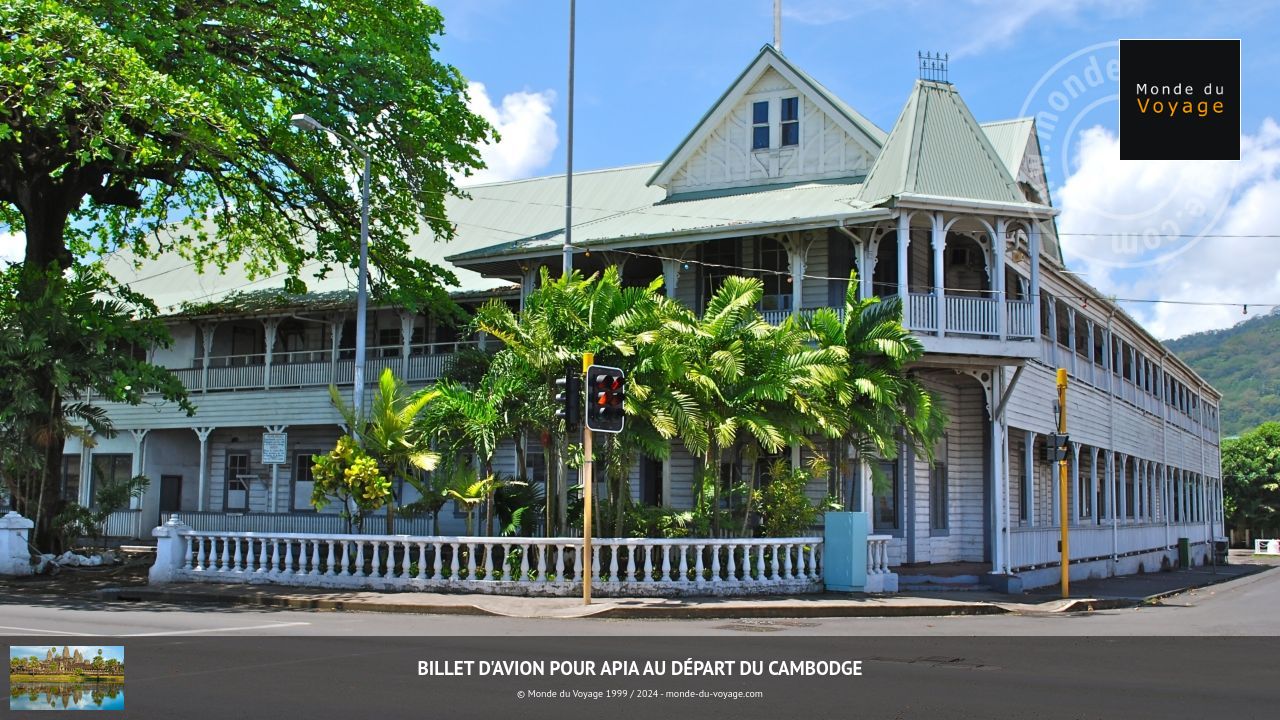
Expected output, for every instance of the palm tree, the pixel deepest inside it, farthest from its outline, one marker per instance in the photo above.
(747, 379)
(877, 396)
(389, 433)
(564, 318)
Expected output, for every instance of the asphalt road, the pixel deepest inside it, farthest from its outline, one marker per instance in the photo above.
(1244, 607)
(220, 662)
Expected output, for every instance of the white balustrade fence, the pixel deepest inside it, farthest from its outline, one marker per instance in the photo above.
(496, 565)
(880, 579)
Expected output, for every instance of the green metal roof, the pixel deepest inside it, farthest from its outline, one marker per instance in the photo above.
(937, 149)
(1009, 139)
(694, 213)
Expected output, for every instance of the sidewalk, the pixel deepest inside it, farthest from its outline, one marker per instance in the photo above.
(1087, 595)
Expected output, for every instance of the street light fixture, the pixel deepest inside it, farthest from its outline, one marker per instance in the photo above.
(310, 124)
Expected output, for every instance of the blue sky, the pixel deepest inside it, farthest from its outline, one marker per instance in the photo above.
(646, 72)
(89, 651)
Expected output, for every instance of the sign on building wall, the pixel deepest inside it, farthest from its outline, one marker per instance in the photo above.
(274, 448)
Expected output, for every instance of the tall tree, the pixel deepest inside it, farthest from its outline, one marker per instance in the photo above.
(158, 127)
(1251, 480)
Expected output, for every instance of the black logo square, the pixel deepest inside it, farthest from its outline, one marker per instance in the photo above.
(1179, 99)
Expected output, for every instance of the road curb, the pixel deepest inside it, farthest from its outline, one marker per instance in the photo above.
(604, 611)
(718, 610)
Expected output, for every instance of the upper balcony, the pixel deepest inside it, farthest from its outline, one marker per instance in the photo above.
(425, 362)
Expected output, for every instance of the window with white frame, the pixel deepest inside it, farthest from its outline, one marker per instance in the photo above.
(790, 134)
(760, 125)
(237, 499)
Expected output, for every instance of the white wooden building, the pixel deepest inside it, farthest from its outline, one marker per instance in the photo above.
(951, 215)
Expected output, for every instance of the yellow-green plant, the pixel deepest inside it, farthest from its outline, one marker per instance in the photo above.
(349, 474)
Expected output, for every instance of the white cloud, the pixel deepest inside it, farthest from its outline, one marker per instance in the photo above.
(1138, 205)
(528, 133)
(13, 246)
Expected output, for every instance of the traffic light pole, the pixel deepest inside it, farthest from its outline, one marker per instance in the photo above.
(587, 465)
(1062, 484)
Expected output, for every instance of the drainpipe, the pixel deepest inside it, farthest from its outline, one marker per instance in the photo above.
(1113, 506)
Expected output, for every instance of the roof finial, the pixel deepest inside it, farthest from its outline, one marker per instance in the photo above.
(777, 25)
(933, 67)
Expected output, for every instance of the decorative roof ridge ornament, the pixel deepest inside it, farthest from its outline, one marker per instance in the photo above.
(933, 66)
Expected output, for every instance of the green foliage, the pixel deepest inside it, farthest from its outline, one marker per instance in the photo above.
(77, 521)
(518, 503)
(785, 509)
(155, 115)
(1251, 480)
(66, 336)
(1240, 363)
(349, 474)
(390, 434)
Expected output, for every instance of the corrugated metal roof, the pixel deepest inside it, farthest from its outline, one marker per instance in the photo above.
(936, 148)
(496, 213)
(695, 213)
(1009, 139)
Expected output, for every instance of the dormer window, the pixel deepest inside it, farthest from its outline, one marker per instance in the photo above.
(790, 121)
(760, 125)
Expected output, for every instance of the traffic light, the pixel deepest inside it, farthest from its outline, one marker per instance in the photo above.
(606, 388)
(569, 398)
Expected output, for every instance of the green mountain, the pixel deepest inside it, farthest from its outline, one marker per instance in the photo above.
(1243, 363)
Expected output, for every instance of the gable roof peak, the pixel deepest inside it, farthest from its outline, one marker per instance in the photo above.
(768, 57)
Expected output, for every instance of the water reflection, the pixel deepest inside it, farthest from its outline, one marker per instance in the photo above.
(90, 695)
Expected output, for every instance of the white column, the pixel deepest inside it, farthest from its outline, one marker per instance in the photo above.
(867, 264)
(1093, 485)
(939, 242)
(798, 254)
(1029, 477)
(139, 447)
(406, 337)
(671, 275)
(997, 280)
(269, 326)
(335, 341)
(1033, 289)
(528, 282)
(203, 434)
(206, 335)
(1000, 481)
(1073, 487)
(904, 242)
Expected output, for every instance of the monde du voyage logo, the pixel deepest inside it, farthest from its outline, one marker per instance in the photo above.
(1179, 99)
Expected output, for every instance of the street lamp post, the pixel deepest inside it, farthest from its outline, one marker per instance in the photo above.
(306, 122)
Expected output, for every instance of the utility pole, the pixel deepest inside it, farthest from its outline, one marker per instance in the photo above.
(568, 153)
(1061, 449)
(588, 359)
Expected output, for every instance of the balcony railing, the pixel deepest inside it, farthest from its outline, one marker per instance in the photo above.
(318, 368)
(923, 311)
(971, 315)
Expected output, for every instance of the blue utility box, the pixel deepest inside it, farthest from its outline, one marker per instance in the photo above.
(844, 551)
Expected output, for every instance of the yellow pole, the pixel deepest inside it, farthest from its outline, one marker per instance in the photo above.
(1062, 484)
(587, 360)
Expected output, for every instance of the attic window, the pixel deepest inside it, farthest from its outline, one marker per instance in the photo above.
(760, 125)
(790, 121)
